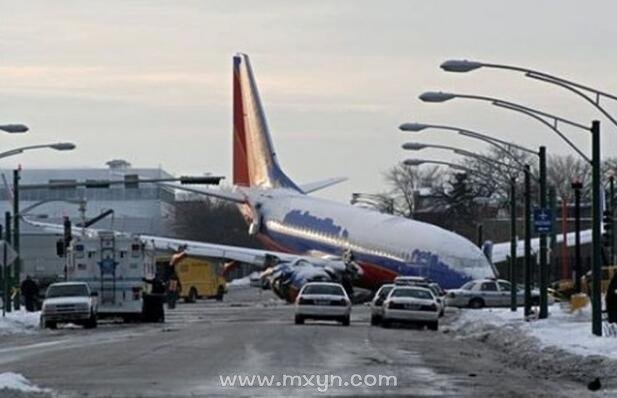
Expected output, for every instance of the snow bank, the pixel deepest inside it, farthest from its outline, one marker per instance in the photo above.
(15, 381)
(19, 322)
(570, 332)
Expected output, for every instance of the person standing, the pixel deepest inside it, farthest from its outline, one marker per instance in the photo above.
(30, 292)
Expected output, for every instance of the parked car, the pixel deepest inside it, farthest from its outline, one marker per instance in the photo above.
(377, 303)
(488, 293)
(411, 304)
(438, 292)
(323, 300)
(69, 302)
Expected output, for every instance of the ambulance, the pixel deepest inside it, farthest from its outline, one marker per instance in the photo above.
(114, 266)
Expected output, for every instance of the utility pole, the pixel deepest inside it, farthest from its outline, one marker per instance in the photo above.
(480, 235)
(528, 267)
(16, 232)
(543, 244)
(611, 208)
(596, 230)
(577, 185)
(7, 268)
(513, 304)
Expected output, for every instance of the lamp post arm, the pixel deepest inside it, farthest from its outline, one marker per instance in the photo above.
(497, 144)
(553, 127)
(490, 139)
(568, 86)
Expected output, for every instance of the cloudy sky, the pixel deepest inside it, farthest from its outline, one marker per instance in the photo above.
(150, 81)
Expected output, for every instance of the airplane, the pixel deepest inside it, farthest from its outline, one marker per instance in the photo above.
(317, 239)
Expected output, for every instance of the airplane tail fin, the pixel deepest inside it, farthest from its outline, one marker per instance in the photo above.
(254, 159)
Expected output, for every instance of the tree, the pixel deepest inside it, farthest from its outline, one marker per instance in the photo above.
(212, 220)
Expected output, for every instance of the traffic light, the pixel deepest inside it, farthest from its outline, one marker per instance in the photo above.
(607, 236)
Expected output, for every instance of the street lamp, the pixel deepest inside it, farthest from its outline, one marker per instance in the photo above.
(595, 162)
(60, 146)
(577, 88)
(14, 128)
(496, 142)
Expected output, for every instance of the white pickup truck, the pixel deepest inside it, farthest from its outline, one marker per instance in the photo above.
(69, 302)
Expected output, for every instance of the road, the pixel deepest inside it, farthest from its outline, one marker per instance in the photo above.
(252, 333)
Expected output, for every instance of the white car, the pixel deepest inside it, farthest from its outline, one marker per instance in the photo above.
(411, 304)
(489, 293)
(434, 287)
(377, 303)
(69, 302)
(323, 300)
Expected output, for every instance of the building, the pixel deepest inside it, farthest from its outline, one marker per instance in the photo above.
(146, 208)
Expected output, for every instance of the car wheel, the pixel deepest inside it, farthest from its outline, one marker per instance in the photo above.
(476, 303)
(51, 325)
(192, 297)
(346, 320)
(433, 325)
(385, 323)
(299, 320)
(91, 323)
(374, 320)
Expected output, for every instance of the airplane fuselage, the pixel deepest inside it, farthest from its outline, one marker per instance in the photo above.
(384, 245)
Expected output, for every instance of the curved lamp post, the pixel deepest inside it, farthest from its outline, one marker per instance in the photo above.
(552, 121)
(584, 91)
(60, 146)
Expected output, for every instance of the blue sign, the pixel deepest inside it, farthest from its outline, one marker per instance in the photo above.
(542, 220)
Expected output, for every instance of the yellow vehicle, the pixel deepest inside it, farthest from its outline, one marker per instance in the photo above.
(199, 278)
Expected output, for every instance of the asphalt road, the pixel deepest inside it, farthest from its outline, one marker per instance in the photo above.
(252, 333)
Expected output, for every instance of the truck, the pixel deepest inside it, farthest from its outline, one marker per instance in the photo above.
(115, 267)
(198, 277)
(69, 302)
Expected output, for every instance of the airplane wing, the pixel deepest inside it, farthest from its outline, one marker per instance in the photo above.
(217, 193)
(285, 273)
(317, 185)
(501, 251)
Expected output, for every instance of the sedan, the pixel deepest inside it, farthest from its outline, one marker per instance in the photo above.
(323, 300)
(411, 304)
(488, 293)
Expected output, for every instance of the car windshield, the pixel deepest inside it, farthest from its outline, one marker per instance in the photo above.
(414, 293)
(324, 289)
(67, 291)
(468, 286)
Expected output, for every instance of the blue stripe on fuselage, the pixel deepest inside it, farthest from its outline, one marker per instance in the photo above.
(427, 265)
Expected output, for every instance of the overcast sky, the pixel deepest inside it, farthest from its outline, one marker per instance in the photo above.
(150, 81)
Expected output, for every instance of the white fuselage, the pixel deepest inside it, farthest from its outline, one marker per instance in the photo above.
(384, 245)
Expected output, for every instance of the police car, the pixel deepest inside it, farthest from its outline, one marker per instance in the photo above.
(322, 300)
(411, 304)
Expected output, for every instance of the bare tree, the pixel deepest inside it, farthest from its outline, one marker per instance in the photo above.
(212, 220)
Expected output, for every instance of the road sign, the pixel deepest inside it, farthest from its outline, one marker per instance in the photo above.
(542, 220)
(11, 254)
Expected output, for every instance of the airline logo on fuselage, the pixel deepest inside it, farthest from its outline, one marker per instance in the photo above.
(305, 219)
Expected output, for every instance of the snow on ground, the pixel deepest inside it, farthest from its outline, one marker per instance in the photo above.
(18, 322)
(562, 329)
(15, 381)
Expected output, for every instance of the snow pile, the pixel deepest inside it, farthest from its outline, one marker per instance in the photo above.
(562, 329)
(19, 322)
(561, 345)
(15, 381)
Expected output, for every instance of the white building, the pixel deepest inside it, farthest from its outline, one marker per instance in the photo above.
(146, 208)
